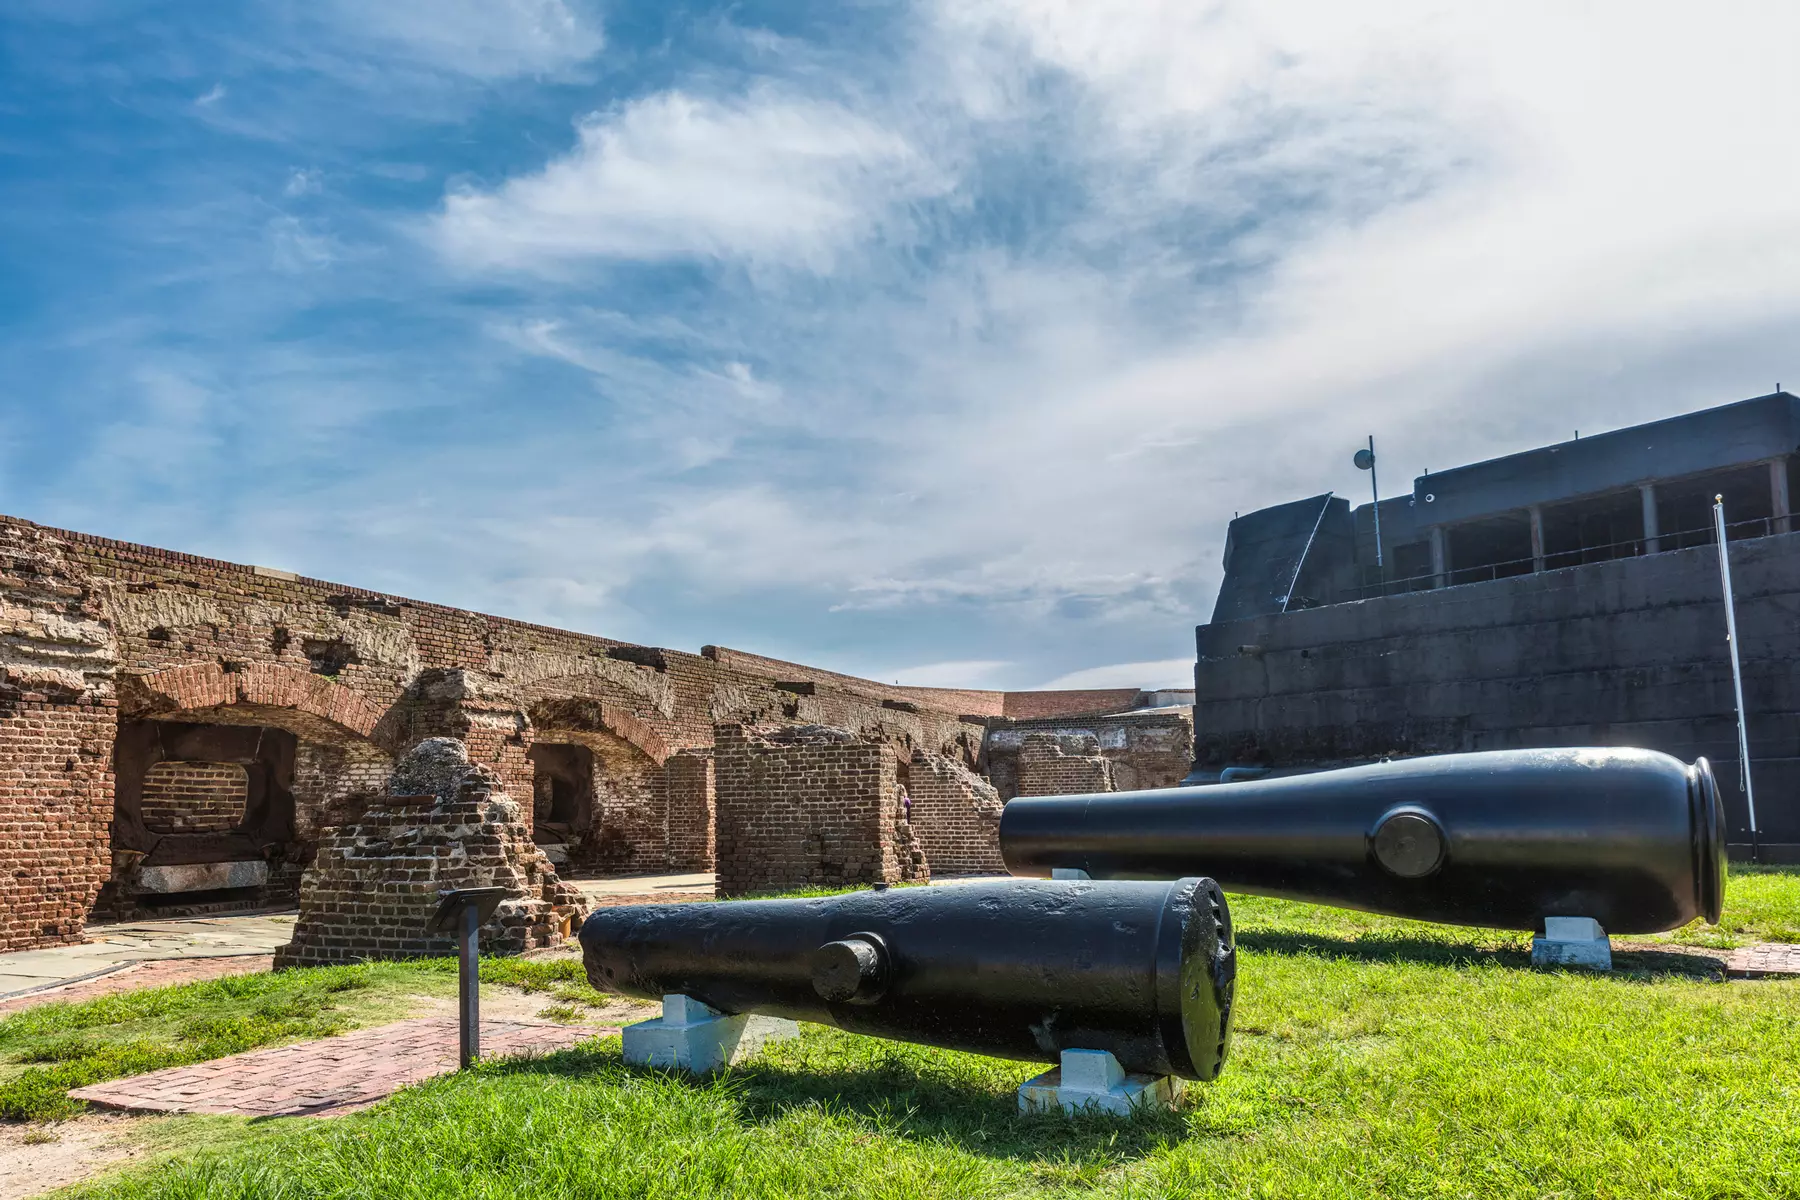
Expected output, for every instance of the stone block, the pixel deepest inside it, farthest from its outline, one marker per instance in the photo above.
(1572, 942)
(693, 1037)
(203, 877)
(1093, 1081)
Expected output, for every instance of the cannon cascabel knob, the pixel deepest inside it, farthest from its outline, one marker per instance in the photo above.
(852, 970)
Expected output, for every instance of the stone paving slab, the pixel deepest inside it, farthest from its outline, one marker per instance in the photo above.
(1766, 960)
(331, 1076)
(115, 946)
(132, 977)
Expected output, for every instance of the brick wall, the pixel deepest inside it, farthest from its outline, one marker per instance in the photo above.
(814, 807)
(358, 677)
(691, 809)
(194, 797)
(955, 816)
(1063, 765)
(1146, 749)
(56, 805)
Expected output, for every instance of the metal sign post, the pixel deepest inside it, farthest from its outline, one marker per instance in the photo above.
(465, 911)
(1737, 672)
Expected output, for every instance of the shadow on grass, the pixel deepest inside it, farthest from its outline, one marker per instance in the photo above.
(1634, 964)
(902, 1097)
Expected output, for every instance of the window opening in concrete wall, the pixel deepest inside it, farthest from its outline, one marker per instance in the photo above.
(1411, 566)
(1684, 508)
(1491, 548)
(562, 791)
(195, 797)
(1597, 529)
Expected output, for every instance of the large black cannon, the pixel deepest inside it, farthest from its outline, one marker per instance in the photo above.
(1013, 968)
(1632, 838)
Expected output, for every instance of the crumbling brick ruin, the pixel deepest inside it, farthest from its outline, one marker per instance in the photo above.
(183, 734)
(809, 806)
(954, 815)
(1052, 764)
(447, 823)
(1146, 748)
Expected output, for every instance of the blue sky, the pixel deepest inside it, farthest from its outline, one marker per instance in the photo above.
(934, 342)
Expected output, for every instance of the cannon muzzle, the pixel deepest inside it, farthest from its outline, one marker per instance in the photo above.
(1012, 968)
(1632, 838)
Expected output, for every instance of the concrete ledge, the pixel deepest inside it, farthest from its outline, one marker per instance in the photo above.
(1093, 1081)
(692, 1037)
(202, 877)
(1572, 942)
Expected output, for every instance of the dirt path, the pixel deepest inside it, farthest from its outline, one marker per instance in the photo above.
(39, 1158)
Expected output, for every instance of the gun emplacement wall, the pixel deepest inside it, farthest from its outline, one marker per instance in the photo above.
(1623, 653)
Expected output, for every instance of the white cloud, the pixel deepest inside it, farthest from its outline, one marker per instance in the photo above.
(486, 39)
(770, 177)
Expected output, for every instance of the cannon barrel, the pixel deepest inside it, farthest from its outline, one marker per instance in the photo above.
(1632, 838)
(1018, 969)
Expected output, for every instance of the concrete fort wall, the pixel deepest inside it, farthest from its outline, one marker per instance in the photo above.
(1628, 652)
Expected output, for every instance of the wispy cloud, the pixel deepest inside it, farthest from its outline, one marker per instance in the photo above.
(769, 177)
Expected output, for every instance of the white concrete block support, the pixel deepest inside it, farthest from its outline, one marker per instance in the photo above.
(1572, 942)
(695, 1038)
(1068, 873)
(1093, 1081)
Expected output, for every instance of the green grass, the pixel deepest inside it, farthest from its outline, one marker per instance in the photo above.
(1372, 1057)
(48, 1050)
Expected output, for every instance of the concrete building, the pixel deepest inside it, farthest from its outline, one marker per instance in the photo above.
(1565, 595)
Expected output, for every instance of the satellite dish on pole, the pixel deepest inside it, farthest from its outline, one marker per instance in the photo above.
(1364, 460)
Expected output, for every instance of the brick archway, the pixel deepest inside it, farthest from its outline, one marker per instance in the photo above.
(585, 715)
(206, 686)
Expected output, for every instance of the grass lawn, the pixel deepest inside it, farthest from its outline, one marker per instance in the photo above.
(1372, 1057)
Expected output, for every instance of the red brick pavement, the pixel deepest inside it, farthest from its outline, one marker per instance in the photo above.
(1762, 961)
(327, 1077)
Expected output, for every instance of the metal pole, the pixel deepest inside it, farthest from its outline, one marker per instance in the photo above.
(1375, 492)
(1737, 672)
(469, 984)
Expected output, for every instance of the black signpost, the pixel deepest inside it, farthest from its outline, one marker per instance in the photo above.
(463, 912)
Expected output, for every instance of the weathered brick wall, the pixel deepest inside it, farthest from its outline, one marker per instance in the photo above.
(374, 885)
(691, 809)
(55, 807)
(1146, 749)
(195, 797)
(808, 807)
(358, 677)
(57, 717)
(1063, 765)
(955, 816)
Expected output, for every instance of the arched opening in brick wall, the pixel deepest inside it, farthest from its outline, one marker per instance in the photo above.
(599, 803)
(222, 806)
(562, 795)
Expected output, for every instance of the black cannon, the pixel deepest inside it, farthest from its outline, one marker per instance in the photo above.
(1632, 838)
(1013, 968)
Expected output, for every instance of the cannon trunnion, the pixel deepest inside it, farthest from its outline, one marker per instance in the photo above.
(1019, 969)
(1632, 838)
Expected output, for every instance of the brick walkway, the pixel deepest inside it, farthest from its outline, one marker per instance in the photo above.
(1764, 961)
(328, 1077)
